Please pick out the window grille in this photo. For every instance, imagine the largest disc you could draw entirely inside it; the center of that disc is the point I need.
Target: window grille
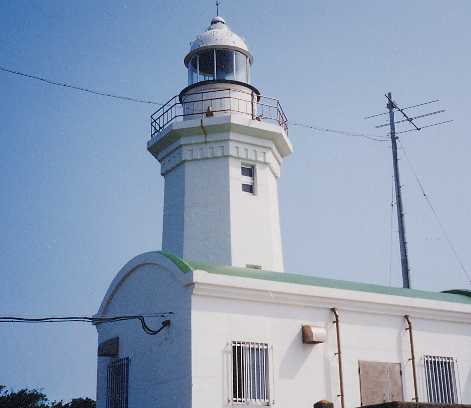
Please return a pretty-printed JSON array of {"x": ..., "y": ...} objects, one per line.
[
  {"x": 440, "y": 376},
  {"x": 117, "y": 384},
  {"x": 250, "y": 373},
  {"x": 248, "y": 178}
]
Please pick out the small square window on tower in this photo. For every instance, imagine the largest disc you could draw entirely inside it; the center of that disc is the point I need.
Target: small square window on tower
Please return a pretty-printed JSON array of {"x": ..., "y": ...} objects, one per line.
[{"x": 248, "y": 178}]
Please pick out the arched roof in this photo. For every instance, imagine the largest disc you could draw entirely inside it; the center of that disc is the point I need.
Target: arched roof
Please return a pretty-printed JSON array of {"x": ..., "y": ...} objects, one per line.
[{"x": 166, "y": 260}]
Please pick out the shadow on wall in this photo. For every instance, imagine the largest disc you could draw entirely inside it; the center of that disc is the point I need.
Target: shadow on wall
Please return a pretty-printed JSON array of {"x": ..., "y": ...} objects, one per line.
[
  {"x": 330, "y": 369},
  {"x": 296, "y": 355}
]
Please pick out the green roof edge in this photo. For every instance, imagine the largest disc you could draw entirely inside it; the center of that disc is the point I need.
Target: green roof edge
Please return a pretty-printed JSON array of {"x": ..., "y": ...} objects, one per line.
[
  {"x": 462, "y": 292},
  {"x": 184, "y": 266},
  {"x": 455, "y": 296},
  {"x": 452, "y": 295}
]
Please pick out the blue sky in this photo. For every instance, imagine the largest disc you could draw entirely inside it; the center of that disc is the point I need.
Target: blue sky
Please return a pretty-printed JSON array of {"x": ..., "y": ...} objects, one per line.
[{"x": 80, "y": 195}]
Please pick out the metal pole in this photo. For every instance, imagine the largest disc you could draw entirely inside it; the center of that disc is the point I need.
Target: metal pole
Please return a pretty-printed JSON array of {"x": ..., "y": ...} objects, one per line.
[
  {"x": 339, "y": 356},
  {"x": 400, "y": 211},
  {"x": 412, "y": 351}
]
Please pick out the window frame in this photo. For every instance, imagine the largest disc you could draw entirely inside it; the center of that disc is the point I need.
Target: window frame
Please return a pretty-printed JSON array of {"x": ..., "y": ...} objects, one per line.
[
  {"x": 117, "y": 384},
  {"x": 251, "y": 374},
  {"x": 223, "y": 72},
  {"x": 441, "y": 379},
  {"x": 240, "y": 66},
  {"x": 248, "y": 181}
]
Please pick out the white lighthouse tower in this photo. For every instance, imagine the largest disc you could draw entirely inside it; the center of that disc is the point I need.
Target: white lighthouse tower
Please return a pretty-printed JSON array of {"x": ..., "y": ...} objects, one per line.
[{"x": 221, "y": 144}]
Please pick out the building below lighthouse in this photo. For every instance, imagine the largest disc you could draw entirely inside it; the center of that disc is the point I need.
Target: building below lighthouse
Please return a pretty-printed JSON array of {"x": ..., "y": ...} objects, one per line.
[{"x": 235, "y": 328}]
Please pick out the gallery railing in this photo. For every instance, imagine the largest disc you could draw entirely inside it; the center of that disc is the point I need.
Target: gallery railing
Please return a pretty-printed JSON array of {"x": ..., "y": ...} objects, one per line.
[{"x": 216, "y": 102}]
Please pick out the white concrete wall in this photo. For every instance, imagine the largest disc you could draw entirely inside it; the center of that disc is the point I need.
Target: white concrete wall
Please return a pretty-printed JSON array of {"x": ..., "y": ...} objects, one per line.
[
  {"x": 188, "y": 364},
  {"x": 220, "y": 98},
  {"x": 159, "y": 369},
  {"x": 304, "y": 374},
  {"x": 207, "y": 216},
  {"x": 197, "y": 211},
  {"x": 449, "y": 340},
  {"x": 255, "y": 221},
  {"x": 173, "y": 212}
]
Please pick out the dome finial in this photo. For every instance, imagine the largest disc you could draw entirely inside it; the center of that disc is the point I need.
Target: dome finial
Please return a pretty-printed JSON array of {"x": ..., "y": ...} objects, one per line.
[{"x": 217, "y": 7}]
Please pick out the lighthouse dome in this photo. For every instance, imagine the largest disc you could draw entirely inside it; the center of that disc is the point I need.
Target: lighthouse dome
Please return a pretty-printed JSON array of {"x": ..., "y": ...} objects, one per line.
[
  {"x": 218, "y": 54},
  {"x": 219, "y": 34}
]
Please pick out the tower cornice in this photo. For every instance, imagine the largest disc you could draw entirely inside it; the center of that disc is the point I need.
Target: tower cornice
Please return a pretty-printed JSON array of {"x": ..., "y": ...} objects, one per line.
[{"x": 223, "y": 136}]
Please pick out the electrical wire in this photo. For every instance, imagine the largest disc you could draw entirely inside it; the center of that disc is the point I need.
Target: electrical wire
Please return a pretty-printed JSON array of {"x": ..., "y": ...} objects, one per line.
[
  {"x": 435, "y": 213},
  {"x": 93, "y": 320},
  {"x": 374, "y": 138},
  {"x": 79, "y": 88}
]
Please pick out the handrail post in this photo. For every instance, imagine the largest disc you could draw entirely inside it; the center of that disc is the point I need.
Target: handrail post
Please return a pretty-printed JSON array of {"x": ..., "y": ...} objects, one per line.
[{"x": 339, "y": 356}]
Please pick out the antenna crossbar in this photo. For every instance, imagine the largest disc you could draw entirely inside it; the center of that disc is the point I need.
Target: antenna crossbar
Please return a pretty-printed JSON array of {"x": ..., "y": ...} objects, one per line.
[
  {"x": 427, "y": 126},
  {"x": 407, "y": 107},
  {"x": 413, "y": 118},
  {"x": 392, "y": 104}
]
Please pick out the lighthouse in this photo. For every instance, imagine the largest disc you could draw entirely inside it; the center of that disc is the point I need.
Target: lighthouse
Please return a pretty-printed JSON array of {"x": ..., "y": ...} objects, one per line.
[
  {"x": 220, "y": 144},
  {"x": 213, "y": 321}
]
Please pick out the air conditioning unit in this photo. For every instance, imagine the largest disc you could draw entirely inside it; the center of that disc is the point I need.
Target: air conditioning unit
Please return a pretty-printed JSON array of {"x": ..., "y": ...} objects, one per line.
[{"x": 313, "y": 334}]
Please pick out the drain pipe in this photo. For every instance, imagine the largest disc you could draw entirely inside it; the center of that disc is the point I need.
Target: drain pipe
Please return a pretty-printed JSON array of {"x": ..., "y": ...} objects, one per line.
[
  {"x": 339, "y": 356},
  {"x": 412, "y": 351}
]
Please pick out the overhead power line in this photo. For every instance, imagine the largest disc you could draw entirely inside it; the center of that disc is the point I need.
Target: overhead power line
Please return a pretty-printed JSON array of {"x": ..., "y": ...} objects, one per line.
[
  {"x": 435, "y": 213},
  {"x": 140, "y": 100},
  {"x": 375, "y": 138},
  {"x": 93, "y": 320},
  {"x": 79, "y": 88}
]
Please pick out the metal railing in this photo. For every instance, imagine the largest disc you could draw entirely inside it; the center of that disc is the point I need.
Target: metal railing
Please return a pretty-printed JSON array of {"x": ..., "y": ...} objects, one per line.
[{"x": 215, "y": 102}]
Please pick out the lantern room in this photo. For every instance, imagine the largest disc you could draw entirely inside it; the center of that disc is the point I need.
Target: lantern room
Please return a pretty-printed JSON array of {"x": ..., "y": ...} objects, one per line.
[{"x": 218, "y": 54}]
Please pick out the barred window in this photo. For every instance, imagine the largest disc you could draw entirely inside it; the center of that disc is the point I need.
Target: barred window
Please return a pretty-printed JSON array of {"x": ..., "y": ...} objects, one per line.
[
  {"x": 117, "y": 384},
  {"x": 250, "y": 373},
  {"x": 440, "y": 378}
]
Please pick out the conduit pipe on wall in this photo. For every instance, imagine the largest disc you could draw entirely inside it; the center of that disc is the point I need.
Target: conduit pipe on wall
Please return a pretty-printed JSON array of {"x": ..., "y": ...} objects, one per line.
[
  {"x": 205, "y": 133},
  {"x": 339, "y": 356},
  {"x": 412, "y": 351}
]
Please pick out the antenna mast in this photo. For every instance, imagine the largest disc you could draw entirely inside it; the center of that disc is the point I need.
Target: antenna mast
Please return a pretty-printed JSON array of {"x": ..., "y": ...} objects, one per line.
[
  {"x": 392, "y": 108},
  {"x": 397, "y": 184}
]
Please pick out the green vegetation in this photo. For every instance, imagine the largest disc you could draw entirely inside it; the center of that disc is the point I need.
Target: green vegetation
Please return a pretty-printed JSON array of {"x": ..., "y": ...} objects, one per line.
[{"x": 27, "y": 398}]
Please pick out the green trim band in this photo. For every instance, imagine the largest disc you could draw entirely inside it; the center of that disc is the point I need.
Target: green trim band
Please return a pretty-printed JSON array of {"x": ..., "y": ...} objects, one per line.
[
  {"x": 455, "y": 296},
  {"x": 182, "y": 265}
]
